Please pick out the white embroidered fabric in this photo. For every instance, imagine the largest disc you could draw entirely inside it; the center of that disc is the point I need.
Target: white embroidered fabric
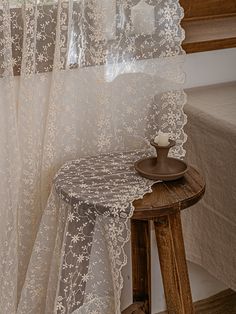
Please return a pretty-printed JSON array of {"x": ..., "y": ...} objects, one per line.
[
  {"x": 78, "y": 78},
  {"x": 90, "y": 206}
]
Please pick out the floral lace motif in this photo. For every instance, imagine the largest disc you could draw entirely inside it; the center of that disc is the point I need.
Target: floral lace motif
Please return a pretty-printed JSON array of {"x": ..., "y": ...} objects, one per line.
[
  {"x": 99, "y": 191},
  {"x": 78, "y": 78}
]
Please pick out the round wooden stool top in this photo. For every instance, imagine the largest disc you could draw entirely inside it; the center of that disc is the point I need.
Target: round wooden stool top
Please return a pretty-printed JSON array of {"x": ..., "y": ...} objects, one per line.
[{"x": 169, "y": 197}]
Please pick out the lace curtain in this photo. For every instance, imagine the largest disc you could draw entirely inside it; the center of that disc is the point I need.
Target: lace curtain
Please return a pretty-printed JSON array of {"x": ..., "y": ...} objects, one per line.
[{"x": 77, "y": 78}]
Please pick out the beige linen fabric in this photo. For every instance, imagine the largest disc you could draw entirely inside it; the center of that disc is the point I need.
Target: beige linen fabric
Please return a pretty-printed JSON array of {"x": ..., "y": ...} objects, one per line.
[{"x": 210, "y": 226}]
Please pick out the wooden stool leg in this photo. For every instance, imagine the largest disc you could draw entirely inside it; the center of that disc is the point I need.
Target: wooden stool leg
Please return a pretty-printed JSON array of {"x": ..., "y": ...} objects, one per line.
[
  {"x": 141, "y": 267},
  {"x": 173, "y": 264}
]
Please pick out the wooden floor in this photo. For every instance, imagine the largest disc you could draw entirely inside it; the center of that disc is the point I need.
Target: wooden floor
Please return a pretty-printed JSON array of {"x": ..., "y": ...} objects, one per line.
[{"x": 221, "y": 303}]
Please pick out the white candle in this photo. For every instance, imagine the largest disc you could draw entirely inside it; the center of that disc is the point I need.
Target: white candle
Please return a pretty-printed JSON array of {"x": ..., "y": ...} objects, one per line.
[{"x": 162, "y": 139}]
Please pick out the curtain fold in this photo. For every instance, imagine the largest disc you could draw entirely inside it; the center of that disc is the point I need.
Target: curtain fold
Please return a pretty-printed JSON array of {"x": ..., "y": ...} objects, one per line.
[
  {"x": 77, "y": 78},
  {"x": 10, "y": 168}
]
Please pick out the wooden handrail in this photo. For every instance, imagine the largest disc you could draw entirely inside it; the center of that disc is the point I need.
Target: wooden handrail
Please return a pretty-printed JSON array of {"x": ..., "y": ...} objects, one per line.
[{"x": 209, "y": 25}]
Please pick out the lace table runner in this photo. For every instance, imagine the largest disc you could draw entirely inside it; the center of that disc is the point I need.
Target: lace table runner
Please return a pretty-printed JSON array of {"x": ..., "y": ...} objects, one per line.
[{"x": 85, "y": 228}]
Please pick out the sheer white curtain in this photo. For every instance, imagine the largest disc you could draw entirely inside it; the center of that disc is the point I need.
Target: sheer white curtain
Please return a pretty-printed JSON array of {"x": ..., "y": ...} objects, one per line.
[{"x": 77, "y": 78}]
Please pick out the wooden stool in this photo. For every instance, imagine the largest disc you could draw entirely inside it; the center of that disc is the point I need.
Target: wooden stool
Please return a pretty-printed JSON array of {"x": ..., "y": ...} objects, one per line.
[{"x": 163, "y": 207}]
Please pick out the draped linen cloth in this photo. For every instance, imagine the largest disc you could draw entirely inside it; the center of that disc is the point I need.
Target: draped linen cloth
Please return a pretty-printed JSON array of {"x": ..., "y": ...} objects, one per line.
[
  {"x": 77, "y": 78},
  {"x": 209, "y": 227}
]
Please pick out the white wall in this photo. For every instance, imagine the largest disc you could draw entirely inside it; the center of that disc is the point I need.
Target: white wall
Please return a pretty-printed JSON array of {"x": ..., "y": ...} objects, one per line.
[
  {"x": 212, "y": 67},
  {"x": 204, "y": 68}
]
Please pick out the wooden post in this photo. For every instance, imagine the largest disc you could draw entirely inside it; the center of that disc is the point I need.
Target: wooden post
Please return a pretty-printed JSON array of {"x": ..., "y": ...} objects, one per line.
[
  {"x": 173, "y": 264},
  {"x": 141, "y": 263}
]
